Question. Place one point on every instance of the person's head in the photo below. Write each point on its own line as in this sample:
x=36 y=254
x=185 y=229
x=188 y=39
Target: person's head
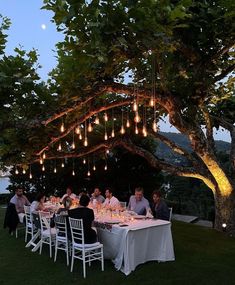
x=108 y=193
x=67 y=202
x=84 y=200
x=19 y=192
x=139 y=193
x=97 y=192
x=40 y=197
x=69 y=191
x=156 y=196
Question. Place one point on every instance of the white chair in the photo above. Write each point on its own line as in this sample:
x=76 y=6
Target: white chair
x=82 y=251
x=170 y=213
x=48 y=234
x=29 y=226
x=61 y=241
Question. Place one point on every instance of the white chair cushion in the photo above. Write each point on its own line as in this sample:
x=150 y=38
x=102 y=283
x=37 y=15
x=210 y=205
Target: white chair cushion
x=87 y=245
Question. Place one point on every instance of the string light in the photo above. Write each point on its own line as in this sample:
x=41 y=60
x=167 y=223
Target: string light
x=55 y=170
x=16 y=171
x=62 y=164
x=44 y=155
x=122 y=131
x=80 y=136
x=59 y=147
x=135 y=106
x=88 y=173
x=128 y=123
x=77 y=130
x=94 y=167
x=62 y=126
x=105 y=167
x=84 y=161
x=105 y=117
x=136 y=129
x=30 y=173
x=85 y=140
x=137 y=117
x=107 y=151
x=105 y=132
x=151 y=102
x=43 y=168
x=23 y=171
x=73 y=143
x=90 y=127
x=113 y=132
x=73 y=173
x=97 y=120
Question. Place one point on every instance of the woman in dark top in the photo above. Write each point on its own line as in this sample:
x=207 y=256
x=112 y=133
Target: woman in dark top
x=159 y=208
x=87 y=215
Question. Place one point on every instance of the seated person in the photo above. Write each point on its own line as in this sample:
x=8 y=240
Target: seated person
x=87 y=215
x=82 y=192
x=67 y=203
x=138 y=203
x=69 y=193
x=19 y=200
x=110 y=200
x=158 y=207
x=96 y=196
x=38 y=204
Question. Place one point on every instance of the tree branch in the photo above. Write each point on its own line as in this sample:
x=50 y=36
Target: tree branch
x=224 y=73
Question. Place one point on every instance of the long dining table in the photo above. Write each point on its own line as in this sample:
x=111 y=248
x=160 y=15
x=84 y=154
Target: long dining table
x=136 y=242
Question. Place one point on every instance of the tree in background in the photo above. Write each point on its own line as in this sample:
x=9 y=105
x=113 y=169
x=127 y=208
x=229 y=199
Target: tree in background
x=179 y=56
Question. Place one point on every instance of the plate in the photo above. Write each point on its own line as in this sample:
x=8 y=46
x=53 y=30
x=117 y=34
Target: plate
x=112 y=221
x=139 y=217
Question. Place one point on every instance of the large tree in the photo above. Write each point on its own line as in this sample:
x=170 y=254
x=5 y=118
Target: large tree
x=120 y=55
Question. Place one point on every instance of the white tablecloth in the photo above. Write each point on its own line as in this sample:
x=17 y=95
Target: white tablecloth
x=140 y=241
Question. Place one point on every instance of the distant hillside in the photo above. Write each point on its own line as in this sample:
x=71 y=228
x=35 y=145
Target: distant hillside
x=164 y=152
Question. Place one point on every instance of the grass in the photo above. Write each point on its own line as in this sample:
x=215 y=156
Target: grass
x=203 y=256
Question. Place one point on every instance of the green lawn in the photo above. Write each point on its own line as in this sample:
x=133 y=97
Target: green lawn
x=203 y=256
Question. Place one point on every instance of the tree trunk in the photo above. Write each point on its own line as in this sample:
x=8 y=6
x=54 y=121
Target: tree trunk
x=225 y=213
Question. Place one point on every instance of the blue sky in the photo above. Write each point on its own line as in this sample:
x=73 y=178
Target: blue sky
x=26 y=30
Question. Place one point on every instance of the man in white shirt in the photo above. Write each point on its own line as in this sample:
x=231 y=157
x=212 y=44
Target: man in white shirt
x=19 y=200
x=69 y=194
x=110 y=200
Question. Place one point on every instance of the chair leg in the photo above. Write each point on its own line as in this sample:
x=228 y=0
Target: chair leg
x=72 y=260
x=67 y=253
x=16 y=233
x=40 y=252
x=84 y=264
x=50 y=245
x=56 y=244
x=102 y=259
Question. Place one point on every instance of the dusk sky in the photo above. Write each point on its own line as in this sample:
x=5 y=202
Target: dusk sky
x=32 y=28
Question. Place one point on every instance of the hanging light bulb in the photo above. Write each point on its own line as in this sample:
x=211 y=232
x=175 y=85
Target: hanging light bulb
x=44 y=155
x=105 y=136
x=88 y=173
x=89 y=127
x=62 y=127
x=122 y=131
x=113 y=134
x=30 y=175
x=59 y=147
x=107 y=151
x=41 y=160
x=43 y=168
x=62 y=165
x=73 y=145
x=94 y=167
x=86 y=142
x=84 y=161
x=97 y=120
x=135 y=106
x=105 y=167
x=105 y=117
x=136 y=130
x=151 y=102
x=128 y=123
x=77 y=130
x=155 y=127
x=24 y=171
x=144 y=131
x=73 y=172
x=80 y=136
x=16 y=171
x=55 y=170
x=137 y=117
